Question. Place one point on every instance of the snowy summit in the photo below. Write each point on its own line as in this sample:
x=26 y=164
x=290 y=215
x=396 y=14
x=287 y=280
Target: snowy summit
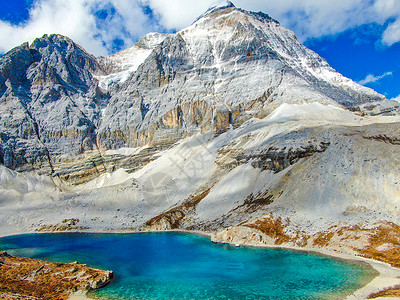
x=220 y=5
x=216 y=6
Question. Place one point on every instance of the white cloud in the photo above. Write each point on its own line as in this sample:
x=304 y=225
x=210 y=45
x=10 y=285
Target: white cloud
x=372 y=78
x=392 y=33
x=307 y=18
x=314 y=18
x=177 y=14
x=55 y=16
x=77 y=19
x=390 y=9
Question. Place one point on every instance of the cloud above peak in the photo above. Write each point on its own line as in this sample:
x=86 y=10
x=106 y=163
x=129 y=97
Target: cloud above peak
x=392 y=33
x=96 y=25
x=177 y=14
x=104 y=26
x=316 y=18
x=370 y=78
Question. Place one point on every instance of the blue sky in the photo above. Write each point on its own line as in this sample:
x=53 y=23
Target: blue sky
x=359 y=38
x=357 y=53
x=15 y=11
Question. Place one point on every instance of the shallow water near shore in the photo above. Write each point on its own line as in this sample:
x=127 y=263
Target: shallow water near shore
x=185 y=266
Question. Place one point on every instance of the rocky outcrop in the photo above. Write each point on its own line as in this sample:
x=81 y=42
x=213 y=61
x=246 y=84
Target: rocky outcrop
x=377 y=241
x=37 y=279
x=49 y=101
x=63 y=226
x=176 y=217
x=272 y=157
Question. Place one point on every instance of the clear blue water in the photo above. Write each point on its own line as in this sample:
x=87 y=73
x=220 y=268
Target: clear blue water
x=184 y=266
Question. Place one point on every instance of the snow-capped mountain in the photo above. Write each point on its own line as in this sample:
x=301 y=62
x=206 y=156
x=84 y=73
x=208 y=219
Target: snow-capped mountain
x=229 y=66
x=229 y=123
x=120 y=66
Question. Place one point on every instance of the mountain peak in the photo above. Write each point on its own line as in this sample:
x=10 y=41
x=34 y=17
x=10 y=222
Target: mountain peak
x=217 y=5
x=226 y=6
x=220 y=5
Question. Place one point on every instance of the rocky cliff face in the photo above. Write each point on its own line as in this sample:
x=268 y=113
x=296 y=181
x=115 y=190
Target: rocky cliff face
x=50 y=102
x=231 y=65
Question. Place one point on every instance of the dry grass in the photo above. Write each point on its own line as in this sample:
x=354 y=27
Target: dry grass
x=60 y=228
x=323 y=238
x=24 y=278
x=382 y=241
x=273 y=228
x=72 y=222
x=386 y=233
x=194 y=200
x=342 y=230
x=65 y=225
x=389 y=292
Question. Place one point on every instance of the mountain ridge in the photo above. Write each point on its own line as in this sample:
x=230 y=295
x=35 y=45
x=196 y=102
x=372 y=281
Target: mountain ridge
x=87 y=85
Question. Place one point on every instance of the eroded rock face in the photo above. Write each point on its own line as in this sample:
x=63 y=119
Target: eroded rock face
x=49 y=101
x=228 y=67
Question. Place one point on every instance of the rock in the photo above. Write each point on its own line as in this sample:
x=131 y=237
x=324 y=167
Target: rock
x=103 y=281
x=48 y=280
x=5 y=254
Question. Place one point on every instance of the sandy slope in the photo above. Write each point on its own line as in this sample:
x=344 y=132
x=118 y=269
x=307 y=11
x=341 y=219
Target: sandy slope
x=315 y=165
x=355 y=179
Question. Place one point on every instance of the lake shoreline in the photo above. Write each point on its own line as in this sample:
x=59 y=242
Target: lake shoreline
x=387 y=277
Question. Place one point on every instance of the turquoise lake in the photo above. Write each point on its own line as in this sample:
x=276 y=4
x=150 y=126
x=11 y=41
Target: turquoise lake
x=185 y=266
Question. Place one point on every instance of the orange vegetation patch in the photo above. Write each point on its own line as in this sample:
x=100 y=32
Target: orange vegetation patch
x=194 y=200
x=59 y=228
x=386 y=236
x=323 y=238
x=273 y=228
x=70 y=221
x=389 y=292
x=26 y=278
x=380 y=241
x=65 y=225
